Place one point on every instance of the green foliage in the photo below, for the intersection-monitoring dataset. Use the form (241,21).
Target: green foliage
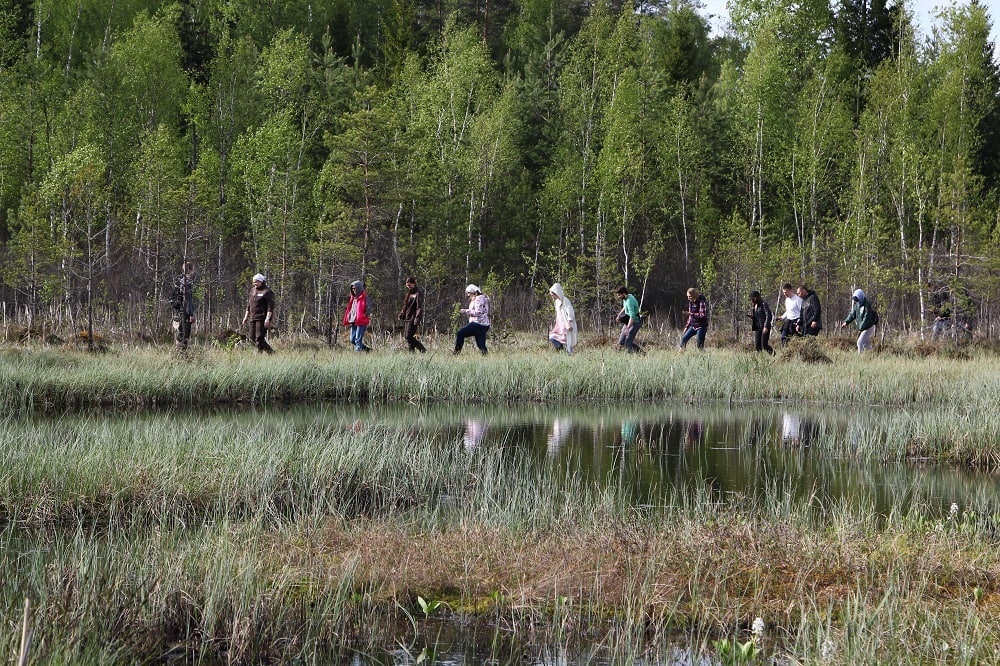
(598,142)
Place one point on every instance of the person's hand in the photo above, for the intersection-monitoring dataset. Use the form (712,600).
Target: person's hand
(267,321)
(765,330)
(244,320)
(843,324)
(191,319)
(400,316)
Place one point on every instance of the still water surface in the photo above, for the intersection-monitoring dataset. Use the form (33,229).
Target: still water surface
(804,455)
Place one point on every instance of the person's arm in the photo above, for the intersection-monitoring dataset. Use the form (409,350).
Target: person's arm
(270,308)
(418,315)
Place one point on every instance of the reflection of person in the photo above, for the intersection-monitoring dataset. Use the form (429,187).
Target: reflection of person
(760,322)
(864,317)
(479,320)
(811,320)
(412,314)
(260,310)
(630,430)
(560,430)
(184,306)
(693,434)
(630,320)
(697,321)
(474,432)
(563,333)
(356,315)
(790,428)
(792,314)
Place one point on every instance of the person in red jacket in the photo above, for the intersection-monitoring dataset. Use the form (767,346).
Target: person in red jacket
(356,315)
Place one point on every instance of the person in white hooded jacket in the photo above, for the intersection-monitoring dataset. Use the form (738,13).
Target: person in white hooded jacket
(563,333)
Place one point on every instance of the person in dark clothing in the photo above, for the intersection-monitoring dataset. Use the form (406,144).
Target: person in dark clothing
(184,306)
(811,322)
(260,311)
(412,314)
(760,322)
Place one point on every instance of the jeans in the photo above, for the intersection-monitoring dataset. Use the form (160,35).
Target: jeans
(788,330)
(469,330)
(626,338)
(691,332)
(358,336)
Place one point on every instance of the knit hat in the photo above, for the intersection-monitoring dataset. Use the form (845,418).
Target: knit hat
(259,278)
(472,289)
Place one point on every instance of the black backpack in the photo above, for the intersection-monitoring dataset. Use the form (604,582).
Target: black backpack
(874,313)
(177,296)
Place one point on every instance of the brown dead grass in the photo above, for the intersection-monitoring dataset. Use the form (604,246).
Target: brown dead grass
(706,574)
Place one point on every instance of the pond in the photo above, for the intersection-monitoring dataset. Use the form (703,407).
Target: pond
(650,455)
(751,450)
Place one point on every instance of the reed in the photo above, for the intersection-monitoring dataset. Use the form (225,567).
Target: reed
(273,539)
(49,380)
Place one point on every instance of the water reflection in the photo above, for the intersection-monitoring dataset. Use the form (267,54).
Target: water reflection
(475,430)
(649,452)
(757,452)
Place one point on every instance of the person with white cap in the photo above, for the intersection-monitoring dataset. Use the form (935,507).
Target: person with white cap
(479,320)
(260,312)
(864,316)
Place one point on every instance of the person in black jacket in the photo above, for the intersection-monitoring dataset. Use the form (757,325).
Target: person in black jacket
(183,303)
(760,322)
(811,322)
(412,314)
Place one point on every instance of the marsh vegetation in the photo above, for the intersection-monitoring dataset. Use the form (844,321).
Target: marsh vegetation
(248,532)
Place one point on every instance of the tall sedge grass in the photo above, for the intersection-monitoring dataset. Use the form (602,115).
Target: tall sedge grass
(56,380)
(273,539)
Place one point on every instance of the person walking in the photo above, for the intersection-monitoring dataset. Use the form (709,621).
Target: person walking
(478,313)
(865,318)
(183,304)
(356,316)
(412,315)
(792,315)
(631,322)
(563,333)
(811,317)
(697,321)
(260,312)
(760,322)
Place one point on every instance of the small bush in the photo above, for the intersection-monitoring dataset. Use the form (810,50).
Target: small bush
(807,349)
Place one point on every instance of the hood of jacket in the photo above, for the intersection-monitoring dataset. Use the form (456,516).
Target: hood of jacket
(357,286)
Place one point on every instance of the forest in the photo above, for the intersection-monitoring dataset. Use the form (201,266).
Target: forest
(509,143)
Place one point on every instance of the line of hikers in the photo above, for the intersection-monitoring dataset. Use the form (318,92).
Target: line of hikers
(802,316)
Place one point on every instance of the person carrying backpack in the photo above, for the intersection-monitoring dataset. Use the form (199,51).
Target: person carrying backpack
(182,302)
(865,317)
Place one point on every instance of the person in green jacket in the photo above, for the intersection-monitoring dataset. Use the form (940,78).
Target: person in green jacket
(865,317)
